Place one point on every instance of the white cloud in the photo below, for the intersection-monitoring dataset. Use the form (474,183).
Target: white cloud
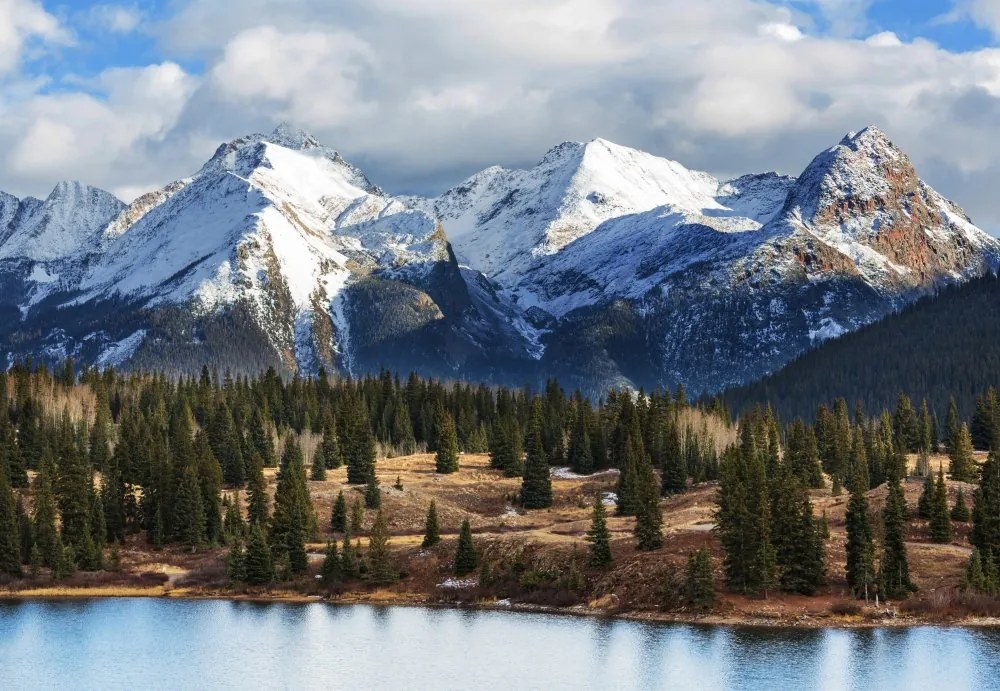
(23,24)
(985,13)
(118,19)
(424,92)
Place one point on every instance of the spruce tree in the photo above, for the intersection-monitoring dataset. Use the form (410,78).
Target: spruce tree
(348,559)
(580,454)
(960,512)
(926,498)
(698,582)
(797,539)
(599,537)
(331,572)
(317,470)
(432,532)
(951,425)
(257,510)
(940,520)
(673,466)
(189,513)
(373,493)
(10,537)
(357,515)
(357,442)
(47,537)
(962,465)
(861,574)
(974,578)
(292,520)
(259,564)
(648,519)
(536,486)
(894,572)
(985,532)
(329,448)
(381,570)
(466,557)
(338,515)
(236,560)
(446,443)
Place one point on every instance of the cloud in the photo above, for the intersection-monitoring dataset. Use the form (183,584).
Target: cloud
(24,25)
(423,93)
(985,13)
(116,19)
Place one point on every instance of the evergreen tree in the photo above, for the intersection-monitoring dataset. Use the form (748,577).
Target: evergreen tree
(331,571)
(960,512)
(257,510)
(648,520)
(226,447)
(373,494)
(536,486)
(940,521)
(861,574)
(10,538)
(951,425)
(432,532)
(797,539)
(348,559)
(466,557)
(894,573)
(293,520)
(381,570)
(236,560)
(985,532)
(357,516)
(357,442)
(580,453)
(962,466)
(259,564)
(317,470)
(189,513)
(926,498)
(599,537)
(698,581)
(338,515)
(446,443)
(673,464)
(329,448)
(47,537)
(975,575)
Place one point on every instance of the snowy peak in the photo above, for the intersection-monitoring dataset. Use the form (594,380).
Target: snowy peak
(499,219)
(68,223)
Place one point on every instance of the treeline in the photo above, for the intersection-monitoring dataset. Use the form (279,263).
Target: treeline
(939,347)
(112,455)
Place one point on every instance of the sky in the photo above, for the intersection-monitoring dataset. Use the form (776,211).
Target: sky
(422,93)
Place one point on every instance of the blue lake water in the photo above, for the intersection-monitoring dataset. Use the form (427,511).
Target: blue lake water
(136,643)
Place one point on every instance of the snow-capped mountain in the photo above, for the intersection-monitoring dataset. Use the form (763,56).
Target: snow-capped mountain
(602,264)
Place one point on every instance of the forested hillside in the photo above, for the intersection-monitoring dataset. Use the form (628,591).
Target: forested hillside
(941,346)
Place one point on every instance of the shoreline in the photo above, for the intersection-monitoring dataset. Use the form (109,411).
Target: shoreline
(393,599)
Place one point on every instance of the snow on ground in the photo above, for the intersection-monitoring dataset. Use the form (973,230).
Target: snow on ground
(458,583)
(565,473)
(118,352)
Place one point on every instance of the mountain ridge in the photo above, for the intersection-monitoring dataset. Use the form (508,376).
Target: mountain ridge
(602,264)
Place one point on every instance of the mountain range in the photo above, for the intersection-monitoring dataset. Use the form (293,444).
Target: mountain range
(602,265)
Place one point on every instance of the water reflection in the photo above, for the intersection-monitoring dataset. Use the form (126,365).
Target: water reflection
(154,644)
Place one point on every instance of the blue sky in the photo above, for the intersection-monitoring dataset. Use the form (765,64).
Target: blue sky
(421,93)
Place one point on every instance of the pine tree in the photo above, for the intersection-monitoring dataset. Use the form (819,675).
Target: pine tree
(189,513)
(985,532)
(338,515)
(259,564)
(926,498)
(648,519)
(797,539)
(432,532)
(673,464)
(357,442)
(698,581)
(580,454)
(348,559)
(331,571)
(536,486)
(236,560)
(445,443)
(894,572)
(466,558)
(317,470)
(975,575)
(226,446)
(329,448)
(373,494)
(357,516)
(293,520)
(861,575)
(599,537)
(381,570)
(940,521)
(960,512)
(47,537)
(257,510)
(962,467)
(10,538)
(951,425)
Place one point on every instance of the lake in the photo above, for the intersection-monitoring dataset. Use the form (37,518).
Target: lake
(137,643)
